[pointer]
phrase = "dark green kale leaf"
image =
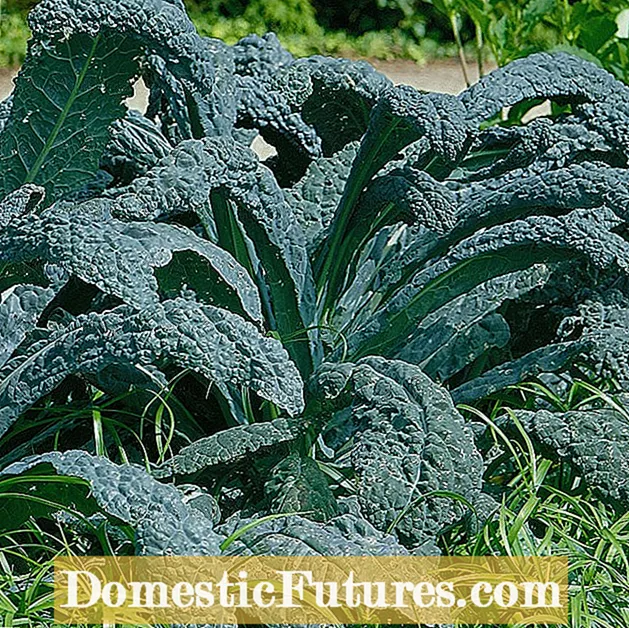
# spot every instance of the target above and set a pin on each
(80, 67)
(213, 342)
(163, 523)
(594, 441)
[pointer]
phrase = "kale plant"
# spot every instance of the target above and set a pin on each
(309, 321)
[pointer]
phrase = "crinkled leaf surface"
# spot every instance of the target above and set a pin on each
(20, 308)
(297, 484)
(136, 145)
(315, 196)
(546, 359)
(410, 442)
(245, 199)
(524, 191)
(134, 261)
(540, 75)
(402, 116)
(595, 442)
(337, 97)
(266, 105)
(451, 337)
(22, 201)
(163, 523)
(346, 535)
(491, 253)
(231, 446)
(416, 197)
(184, 180)
(215, 343)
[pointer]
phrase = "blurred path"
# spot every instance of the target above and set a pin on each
(438, 76)
(441, 76)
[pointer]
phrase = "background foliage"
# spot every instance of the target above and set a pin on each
(511, 29)
(388, 29)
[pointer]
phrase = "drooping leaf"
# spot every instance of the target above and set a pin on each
(295, 141)
(416, 198)
(410, 444)
(491, 253)
(546, 359)
(402, 116)
(245, 196)
(346, 535)
(523, 191)
(541, 145)
(335, 96)
(191, 87)
(594, 441)
(541, 75)
(181, 181)
(134, 261)
(231, 446)
(266, 109)
(215, 343)
(163, 523)
(456, 334)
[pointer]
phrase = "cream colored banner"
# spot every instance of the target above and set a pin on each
(311, 590)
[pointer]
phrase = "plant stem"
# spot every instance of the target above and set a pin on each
(459, 45)
(479, 50)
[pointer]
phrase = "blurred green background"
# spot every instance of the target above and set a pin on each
(476, 31)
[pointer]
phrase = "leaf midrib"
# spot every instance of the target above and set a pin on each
(52, 138)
